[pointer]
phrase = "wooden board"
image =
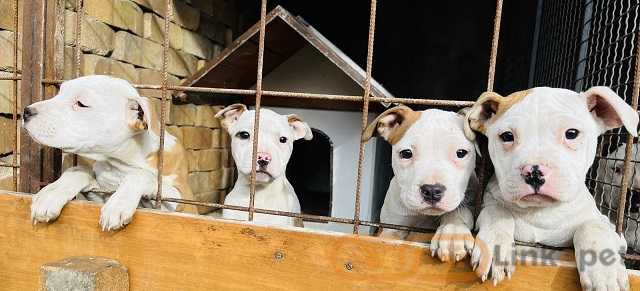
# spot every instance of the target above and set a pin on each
(169, 251)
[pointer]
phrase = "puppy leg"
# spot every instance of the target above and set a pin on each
(119, 209)
(49, 201)
(597, 249)
(493, 250)
(393, 234)
(453, 238)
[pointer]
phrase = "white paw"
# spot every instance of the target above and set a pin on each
(493, 252)
(47, 204)
(600, 276)
(116, 213)
(452, 242)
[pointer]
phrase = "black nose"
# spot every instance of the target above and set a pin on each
(535, 178)
(432, 193)
(28, 113)
(263, 163)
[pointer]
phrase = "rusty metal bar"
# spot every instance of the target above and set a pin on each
(163, 105)
(10, 78)
(300, 95)
(365, 113)
(494, 46)
(14, 116)
(78, 35)
(256, 121)
(629, 147)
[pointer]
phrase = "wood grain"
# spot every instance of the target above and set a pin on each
(170, 251)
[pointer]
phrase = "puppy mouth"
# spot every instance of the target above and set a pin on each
(538, 197)
(265, 173)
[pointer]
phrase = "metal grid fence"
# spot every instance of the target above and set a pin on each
(593, 36)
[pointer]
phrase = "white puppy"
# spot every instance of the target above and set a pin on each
(611, 170)
(104, 119)
(542, 142)
(275, 144)
(433, 165)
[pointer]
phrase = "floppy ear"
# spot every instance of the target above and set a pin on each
(391, 124)
(480, 113)
(610, 110)
(230, 114)
(139, 113)
(300, 128)
(463, 112)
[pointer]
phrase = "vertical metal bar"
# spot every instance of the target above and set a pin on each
(626, 178)
(256, 122)
(536, 38)
(78, 35)
(163, 109)
(365, 113)
(494, 46)
(16, 130)
(31, 90)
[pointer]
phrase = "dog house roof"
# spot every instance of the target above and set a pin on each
(286, 34)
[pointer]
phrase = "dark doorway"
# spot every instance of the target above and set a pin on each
(310, 173)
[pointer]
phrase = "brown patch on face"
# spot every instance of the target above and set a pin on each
(491, 105)
(392, 124)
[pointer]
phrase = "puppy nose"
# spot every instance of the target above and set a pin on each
(264, 159)
(432, 193)
(28, 113)
(534, 176)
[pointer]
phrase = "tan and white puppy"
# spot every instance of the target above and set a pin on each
(433, 181)
(612, 170)
(542, 142)
(275, 144)
(104, 119)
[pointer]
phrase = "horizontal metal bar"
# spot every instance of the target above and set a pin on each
(12, 78)
(335, 97)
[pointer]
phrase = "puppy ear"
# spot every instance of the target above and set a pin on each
(230, 114)
(139, 113)
(300, 128)
(391, 124)
(610, 110)
(480, 113)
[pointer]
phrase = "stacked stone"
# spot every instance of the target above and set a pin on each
(211, 167)
(7, 126)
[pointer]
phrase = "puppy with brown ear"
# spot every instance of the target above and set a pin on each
(433, 165)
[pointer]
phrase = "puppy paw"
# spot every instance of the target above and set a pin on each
(493, 253)
(601, 276)
(116, 213)
(47, 204)
(452, 242)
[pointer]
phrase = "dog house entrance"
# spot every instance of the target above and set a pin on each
(310, 173)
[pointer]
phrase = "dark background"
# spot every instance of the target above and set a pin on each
(425, 49)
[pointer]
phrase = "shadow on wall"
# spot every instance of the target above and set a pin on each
(309, 172)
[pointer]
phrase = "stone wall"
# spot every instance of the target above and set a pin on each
(123, 38)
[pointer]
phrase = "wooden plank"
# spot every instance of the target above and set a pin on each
(31, 90)
(171, 251)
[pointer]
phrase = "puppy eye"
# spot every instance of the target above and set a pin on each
(81, 105)
(571, 133)
(461, 153)
(242, 135)
(283, 139)
(406, 154)
(506, 136)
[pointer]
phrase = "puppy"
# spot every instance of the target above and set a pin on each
(275, 144)
(433, 165)
(611, 170)
(104, 119)
(542, 142)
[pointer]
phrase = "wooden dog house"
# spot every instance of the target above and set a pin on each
(298, 58)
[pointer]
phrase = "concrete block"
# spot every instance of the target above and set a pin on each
(7, 13)
(136, 50)
(181, 64)
(205, 116)
(154, 31)
(201, 182)
(7, 47)
(196, 45)
(7, 138)
(7, 97)
(127, 15)
(96, 38)
(149, 76)
(204, 160)
(175, 131)
(84, 273)
(196, 137)
(212, 197)
(183, 114)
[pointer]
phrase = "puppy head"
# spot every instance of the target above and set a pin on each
(612, 170)
(90, 115)
(542, 141)
(275, 141)
(432, 159)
